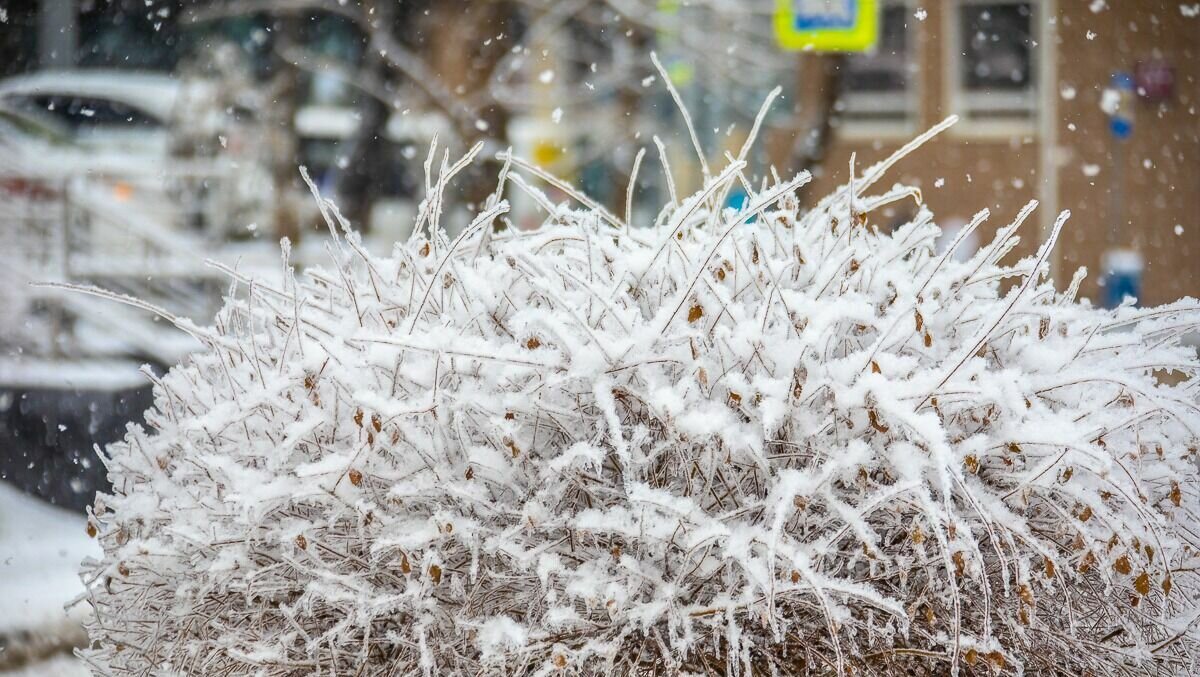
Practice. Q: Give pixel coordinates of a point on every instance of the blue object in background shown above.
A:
(737, 199)
(1120, 127)
(1122, 277)
(1120, 122)
(844, 19)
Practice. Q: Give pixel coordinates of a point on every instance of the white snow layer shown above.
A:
(41, 547)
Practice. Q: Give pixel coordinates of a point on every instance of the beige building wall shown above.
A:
(1161, 161)
(1001, 167)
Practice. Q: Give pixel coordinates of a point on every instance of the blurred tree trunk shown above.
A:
(453, 37)
(361, 182)
(281, 129)
(817, 95)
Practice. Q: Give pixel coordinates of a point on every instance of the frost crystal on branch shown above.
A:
(731, 442)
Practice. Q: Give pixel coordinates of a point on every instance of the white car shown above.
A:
(165, 145)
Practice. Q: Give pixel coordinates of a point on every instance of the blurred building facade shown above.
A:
(1031, 81)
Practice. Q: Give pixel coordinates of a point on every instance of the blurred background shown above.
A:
(140, 138)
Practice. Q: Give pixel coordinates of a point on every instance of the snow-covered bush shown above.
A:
(756, 441)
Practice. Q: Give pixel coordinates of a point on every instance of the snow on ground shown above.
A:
(59, 666)
(40, 550)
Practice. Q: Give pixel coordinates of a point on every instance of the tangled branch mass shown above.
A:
(731, 442)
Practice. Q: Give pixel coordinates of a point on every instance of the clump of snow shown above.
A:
(499, 635)
(762, 440)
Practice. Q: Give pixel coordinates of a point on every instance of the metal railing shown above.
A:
(144, 236)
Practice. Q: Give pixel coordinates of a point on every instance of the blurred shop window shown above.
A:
(879, 88)
(994, 78)
(18, 36)
(124, 34)
(251, 34)
(333, 43)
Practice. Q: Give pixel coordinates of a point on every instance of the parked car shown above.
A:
(100, 109)
(164, 144)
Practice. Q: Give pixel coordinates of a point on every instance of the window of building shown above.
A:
(992, 66)
(879, 87)
(125, 34)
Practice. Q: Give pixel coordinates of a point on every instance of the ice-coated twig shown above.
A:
(633, 176)
(701, 157)
(666, 167)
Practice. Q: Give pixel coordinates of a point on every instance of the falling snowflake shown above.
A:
(1110, 101)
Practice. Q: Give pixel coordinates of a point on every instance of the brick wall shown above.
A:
(1003, 169)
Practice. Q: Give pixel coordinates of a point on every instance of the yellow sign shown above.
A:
(547, 153)
(827, 25)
